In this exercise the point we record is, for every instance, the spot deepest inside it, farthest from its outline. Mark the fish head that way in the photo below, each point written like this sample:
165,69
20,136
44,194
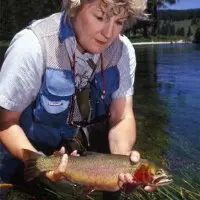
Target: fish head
161,177
151,174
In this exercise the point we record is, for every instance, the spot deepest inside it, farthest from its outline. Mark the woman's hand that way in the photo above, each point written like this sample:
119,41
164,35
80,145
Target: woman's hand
58,174
128,179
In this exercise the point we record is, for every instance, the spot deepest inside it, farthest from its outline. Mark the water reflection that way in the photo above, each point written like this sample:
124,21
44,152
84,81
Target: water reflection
167,104
148,107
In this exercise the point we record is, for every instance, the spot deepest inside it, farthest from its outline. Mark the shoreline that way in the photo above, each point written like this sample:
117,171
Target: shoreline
161,42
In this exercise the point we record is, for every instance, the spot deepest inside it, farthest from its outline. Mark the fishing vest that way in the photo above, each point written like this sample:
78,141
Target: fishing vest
45,121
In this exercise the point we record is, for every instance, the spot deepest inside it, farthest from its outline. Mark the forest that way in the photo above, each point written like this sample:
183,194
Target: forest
179,15
168,25
15,15
179,22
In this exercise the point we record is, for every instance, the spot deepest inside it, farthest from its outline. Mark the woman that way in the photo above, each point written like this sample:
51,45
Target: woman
67,71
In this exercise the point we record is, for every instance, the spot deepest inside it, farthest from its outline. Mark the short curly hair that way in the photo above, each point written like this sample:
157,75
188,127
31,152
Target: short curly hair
133,8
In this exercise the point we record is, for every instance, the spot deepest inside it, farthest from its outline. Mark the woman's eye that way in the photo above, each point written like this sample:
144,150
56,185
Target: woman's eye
120,23
99,18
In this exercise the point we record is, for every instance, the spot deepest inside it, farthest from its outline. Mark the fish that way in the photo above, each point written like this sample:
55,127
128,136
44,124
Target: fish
97,171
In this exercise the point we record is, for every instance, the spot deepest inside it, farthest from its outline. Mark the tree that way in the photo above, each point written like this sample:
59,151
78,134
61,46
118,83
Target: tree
189,33
194,21
178,31
172,29
15,15
197,35
152,8
182,31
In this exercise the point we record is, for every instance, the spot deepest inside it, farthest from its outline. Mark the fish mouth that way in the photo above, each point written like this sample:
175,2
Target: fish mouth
161,180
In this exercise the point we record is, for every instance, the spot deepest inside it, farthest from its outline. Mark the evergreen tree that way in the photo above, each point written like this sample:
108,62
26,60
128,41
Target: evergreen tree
197,34
189,33
164,29
182,31
15,15
172,29
178,31
152,8
194,21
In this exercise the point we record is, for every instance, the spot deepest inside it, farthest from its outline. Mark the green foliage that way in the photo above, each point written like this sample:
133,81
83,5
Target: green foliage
179,15
189,33
179,28
197,34
163,29
167,29
15,15
172,29
194,21
181,32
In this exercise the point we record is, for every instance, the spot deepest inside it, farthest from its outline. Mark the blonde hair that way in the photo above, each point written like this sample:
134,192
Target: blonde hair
132,8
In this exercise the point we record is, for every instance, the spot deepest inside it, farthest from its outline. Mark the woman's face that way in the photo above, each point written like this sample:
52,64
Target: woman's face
95,30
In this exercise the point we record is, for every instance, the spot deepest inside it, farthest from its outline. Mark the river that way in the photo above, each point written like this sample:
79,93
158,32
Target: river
167,107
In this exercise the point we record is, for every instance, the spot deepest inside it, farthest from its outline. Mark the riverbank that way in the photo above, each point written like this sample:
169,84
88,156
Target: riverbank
162,42
160,39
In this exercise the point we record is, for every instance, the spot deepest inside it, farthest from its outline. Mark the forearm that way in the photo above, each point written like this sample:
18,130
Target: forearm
14,139
122,136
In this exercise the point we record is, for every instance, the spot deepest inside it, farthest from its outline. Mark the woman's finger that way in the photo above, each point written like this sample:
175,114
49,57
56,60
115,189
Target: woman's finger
62,150
149,188
59,172
135,156
75,153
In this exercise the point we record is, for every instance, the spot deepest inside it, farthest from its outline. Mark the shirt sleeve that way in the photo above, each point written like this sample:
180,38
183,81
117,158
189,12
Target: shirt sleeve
126,67
21,72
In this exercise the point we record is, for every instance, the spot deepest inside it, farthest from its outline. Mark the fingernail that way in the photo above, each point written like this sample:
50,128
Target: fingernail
135,158
65,158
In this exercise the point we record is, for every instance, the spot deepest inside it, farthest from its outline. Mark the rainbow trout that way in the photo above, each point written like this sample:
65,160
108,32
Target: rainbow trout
98,171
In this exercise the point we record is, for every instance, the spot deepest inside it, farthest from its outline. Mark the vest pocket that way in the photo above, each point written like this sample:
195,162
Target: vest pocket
54,97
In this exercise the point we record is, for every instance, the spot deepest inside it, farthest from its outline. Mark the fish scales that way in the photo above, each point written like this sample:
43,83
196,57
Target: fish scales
98,171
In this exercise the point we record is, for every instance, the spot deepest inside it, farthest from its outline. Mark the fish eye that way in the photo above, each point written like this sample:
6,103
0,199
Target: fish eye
159,172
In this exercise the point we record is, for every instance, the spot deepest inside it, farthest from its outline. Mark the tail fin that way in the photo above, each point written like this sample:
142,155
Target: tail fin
31,171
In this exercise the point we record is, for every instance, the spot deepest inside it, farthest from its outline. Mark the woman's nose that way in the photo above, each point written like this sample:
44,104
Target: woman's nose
108,30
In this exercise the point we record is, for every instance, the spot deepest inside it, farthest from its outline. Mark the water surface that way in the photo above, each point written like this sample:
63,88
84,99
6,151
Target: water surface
167,106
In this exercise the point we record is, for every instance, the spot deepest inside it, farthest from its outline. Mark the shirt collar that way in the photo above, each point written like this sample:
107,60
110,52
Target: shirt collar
65,29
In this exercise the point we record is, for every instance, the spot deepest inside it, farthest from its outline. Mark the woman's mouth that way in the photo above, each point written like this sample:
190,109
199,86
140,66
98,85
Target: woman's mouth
102,42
